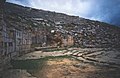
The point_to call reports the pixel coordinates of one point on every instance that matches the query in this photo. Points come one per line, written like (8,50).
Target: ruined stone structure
(22,29)
(3,50)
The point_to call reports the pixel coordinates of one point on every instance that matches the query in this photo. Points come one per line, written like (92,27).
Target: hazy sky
(102,10)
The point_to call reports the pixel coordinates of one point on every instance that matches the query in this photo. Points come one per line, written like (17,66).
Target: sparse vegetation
(33,65)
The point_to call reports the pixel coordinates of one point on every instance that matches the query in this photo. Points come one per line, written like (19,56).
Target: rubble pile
(95,34)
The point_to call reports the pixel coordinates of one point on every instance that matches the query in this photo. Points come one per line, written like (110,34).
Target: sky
(101,10)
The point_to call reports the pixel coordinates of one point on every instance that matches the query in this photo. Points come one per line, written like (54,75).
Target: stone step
(94,54)
(75,54)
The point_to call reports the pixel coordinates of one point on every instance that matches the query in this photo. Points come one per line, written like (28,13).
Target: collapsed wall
(92,34)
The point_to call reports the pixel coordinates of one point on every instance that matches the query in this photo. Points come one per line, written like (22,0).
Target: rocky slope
(23,29)
(85,33)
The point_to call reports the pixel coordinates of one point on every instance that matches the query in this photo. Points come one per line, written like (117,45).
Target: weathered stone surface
(104,56)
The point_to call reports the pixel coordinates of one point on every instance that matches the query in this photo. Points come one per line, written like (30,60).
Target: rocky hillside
(31,12)
(84,32)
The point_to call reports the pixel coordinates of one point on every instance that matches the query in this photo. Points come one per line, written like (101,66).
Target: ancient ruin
(24,30)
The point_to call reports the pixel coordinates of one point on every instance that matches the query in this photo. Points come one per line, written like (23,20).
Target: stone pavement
(101,56)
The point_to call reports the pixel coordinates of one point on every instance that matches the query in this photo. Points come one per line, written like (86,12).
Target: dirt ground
(79,65)
(65,68)
(71,68)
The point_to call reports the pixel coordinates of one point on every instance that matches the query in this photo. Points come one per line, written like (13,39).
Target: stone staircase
(99,56)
